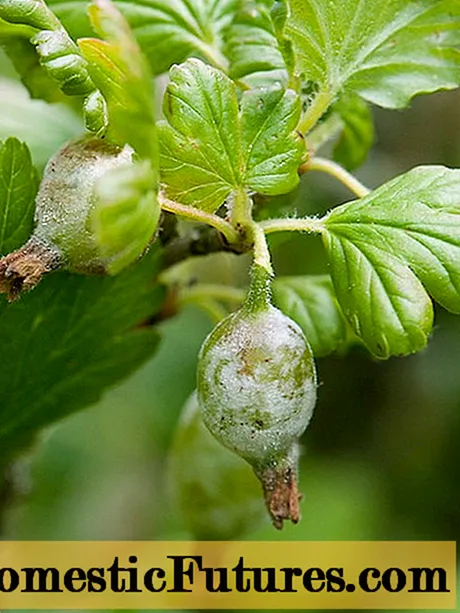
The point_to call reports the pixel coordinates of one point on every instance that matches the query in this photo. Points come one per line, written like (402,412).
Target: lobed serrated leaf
(271,146)
(310,301)
(126,214)
(210,147)
(18,188)
(121,73)
(391,249)
(386,52)
(168,31)
(200,150)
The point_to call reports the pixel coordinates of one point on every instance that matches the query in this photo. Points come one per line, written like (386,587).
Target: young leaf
(271,146)
(200,149)
(251,44)
(68,341)
(58,55)
(310,301)
(126,214)
(210,148)
(357,134)
(391,249)
(386,52)
(167,31)
(121,73)
(18,188)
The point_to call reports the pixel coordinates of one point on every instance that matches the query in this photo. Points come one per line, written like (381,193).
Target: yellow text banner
(227,575)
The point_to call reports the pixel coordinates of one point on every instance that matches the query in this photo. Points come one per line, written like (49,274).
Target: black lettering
(364,580)
(313,574)
(42,584)
(114,571)
(148,579)
(289,574)
(240,584)
(428,574)
(133,579)
(269,585)
(387,582)
(334,580)
(179,572)
(96,580)
(72,575)
(11,583)
(222,585)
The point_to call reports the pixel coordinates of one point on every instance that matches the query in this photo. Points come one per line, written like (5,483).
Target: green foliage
(211,148)
(310,301)
(167,32)
(18,188)
(121,73)
(386,52)
(58,55)
(74,336)
(251,44)
(69,340)
(391,249)
(251,80)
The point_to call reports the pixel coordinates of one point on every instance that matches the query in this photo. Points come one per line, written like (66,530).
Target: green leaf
(391,249)
(68,341)
(386,52)
(357,134)
(33,13)
(42,126)
(310,301)
(251,44)
(126,214)
(121,73)
(168,31)
(18,188)
(271,146)
(210,148)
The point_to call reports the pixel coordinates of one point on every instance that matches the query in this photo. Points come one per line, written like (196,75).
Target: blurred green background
(381,458)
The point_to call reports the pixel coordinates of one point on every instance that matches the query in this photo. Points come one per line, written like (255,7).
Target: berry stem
(338,172)
(189,212)
(262,256)
(305,224)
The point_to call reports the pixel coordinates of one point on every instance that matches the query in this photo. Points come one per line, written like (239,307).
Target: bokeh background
(381,458)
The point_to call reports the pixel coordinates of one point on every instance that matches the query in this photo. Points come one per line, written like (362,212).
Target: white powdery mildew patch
(260,388)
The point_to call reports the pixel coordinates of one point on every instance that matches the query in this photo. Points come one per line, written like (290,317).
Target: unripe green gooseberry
(216,491)
(63,237)
(257,391)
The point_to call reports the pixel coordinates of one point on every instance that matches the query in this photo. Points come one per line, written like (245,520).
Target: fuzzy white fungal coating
(257,384)
(66,199)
